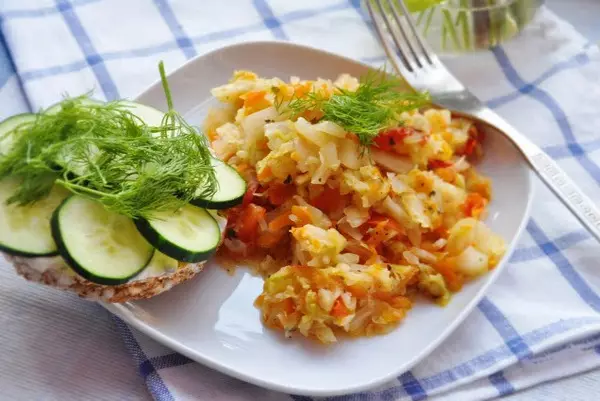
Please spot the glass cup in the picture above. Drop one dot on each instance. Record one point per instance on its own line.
(455, 26)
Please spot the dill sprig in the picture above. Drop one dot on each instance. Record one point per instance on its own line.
(373, 107)
(105, 152)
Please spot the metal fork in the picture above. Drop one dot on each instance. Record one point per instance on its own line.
(412, 58)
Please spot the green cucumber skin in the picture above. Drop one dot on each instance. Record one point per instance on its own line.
(167, 247)
(208, 204)
(224, 204)
(18, 252)
(16, 116)
(62, 250)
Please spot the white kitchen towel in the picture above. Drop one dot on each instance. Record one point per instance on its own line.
(541, 319)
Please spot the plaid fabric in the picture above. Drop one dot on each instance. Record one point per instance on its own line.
(540, 321)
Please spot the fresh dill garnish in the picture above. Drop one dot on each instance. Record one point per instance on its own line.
(373, 107)
(104, 152)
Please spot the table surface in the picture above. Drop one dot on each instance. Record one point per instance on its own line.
(108, 370)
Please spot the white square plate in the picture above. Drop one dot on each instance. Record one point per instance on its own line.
(211, 319)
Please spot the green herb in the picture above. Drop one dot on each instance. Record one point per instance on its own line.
(105, 152)
(373, 107)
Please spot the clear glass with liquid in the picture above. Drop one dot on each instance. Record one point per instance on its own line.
(454, 26)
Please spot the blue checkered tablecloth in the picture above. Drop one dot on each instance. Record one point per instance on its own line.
(539, 322)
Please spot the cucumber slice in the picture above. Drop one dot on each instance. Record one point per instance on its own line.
(25, 230)
(8, 127)
(149, 115)
(101, 246)
(159, 264)
(232, 188)
(190, 234)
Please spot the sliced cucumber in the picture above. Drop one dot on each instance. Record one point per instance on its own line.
(8, 130)
(25, 230)
(232, 188)
(101, 246)
(159, 264)
(190, 234)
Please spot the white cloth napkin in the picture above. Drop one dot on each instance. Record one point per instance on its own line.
(540, 321)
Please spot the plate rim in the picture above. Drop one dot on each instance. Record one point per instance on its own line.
(123, 313)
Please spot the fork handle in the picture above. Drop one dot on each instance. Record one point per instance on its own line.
(569, 193)
(552, 174)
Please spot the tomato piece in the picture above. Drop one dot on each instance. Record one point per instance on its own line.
(249, 195)
(248, 222)
(329, 200)
(435, 163)
(470, 146)
(388, 140)
(279, 193)
(474, 205)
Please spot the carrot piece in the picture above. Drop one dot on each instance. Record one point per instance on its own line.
(379, 234)
(339, 309)
(265, 174)
(269, 239)
(255, 101)
(303, 89)
(447, 268)
(312, 115)
(392, 224)
(474, 205)
(357, 290)
(441, 232)
(212, 135)
(363, 251)
(446, 174)
(302, 214)
(262, 144)
(242, 167)
(249, 221)
(401, 302)
(281, 221)
(288, 305)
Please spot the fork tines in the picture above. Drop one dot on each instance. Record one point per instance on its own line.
(392, 19)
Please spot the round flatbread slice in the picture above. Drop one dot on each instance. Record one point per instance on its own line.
(54, 272)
